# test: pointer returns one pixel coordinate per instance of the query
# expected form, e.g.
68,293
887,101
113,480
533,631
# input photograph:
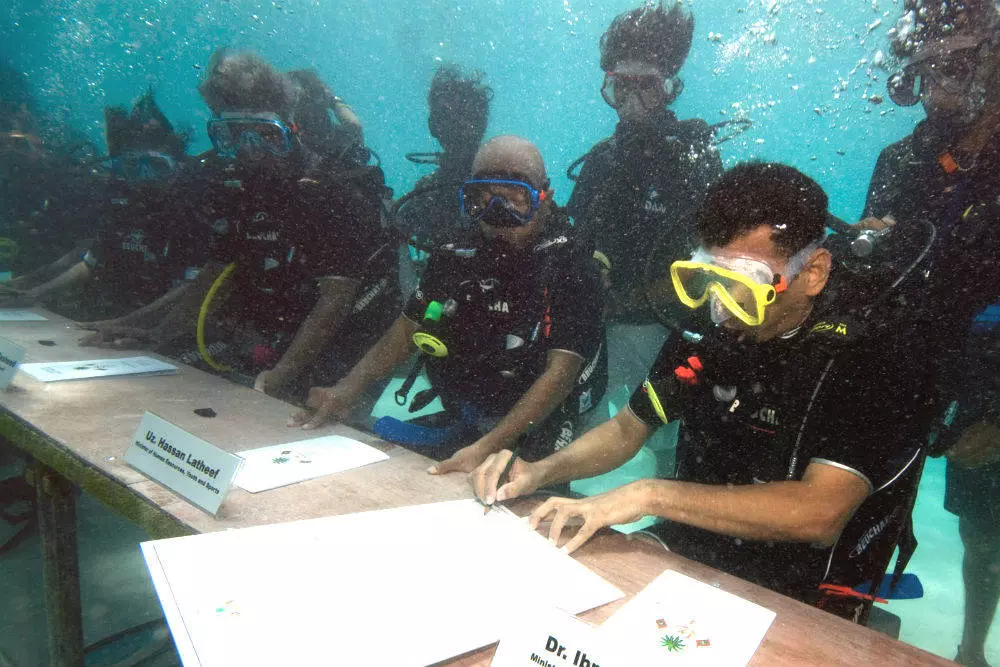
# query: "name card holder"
553,638
11,356
187,465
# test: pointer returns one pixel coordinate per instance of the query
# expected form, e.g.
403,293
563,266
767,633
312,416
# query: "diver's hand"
979,445
324,404
122,338
522,478
464,460
622,505
875,224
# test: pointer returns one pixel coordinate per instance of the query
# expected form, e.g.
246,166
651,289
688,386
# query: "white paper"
679,620
97,368
279,465
408,586
7,315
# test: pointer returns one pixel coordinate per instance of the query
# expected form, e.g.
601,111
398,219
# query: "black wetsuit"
432,215
635,191
48,206
762,413
151,242
286,231
511,309
974,493
961,278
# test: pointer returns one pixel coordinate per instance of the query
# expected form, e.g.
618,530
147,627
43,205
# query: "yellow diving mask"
737,286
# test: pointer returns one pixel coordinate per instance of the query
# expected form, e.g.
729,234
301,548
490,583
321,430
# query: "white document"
8,315
279,465
408,586
97,368
679,620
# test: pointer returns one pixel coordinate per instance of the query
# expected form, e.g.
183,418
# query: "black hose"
931,237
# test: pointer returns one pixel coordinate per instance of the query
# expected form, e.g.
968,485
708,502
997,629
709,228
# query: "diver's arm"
316,332
392,349
51,270
596,452
181,311
75,275
151,311
542,398
812,510
336,402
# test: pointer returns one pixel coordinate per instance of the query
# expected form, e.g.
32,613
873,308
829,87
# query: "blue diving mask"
250,132
500,202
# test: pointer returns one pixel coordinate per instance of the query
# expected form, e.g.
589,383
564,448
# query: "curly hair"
243,81
925,21
753,194
649,34
459,105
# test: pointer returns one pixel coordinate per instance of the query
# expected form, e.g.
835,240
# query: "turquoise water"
793,68
801,71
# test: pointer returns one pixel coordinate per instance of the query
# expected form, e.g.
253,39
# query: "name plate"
554,638
11,356
197,470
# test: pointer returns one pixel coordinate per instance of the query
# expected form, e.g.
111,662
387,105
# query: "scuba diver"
301,276
459,112
341,141
779,479
47,194
150,240
636,187
944,175
508,329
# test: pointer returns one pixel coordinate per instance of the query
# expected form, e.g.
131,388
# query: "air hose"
203,315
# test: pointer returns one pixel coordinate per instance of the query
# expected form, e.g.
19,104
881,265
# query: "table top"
82,428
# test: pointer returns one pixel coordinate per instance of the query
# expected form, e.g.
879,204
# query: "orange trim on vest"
947,163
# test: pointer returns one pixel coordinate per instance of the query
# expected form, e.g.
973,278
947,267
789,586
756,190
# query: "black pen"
505,473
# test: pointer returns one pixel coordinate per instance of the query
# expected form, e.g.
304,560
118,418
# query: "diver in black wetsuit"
47,194
945,173
636,186
149,242
459,112
780,479
306,276
515,317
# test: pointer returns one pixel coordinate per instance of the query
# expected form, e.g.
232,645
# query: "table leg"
60,567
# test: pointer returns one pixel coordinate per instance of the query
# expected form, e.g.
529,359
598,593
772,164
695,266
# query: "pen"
506,469
500,480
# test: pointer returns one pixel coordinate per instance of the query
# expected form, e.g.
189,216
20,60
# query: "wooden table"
78,432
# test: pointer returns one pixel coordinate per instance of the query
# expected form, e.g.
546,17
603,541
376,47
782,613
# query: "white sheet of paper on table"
96,368
408,586
680,620
7,315
279,465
